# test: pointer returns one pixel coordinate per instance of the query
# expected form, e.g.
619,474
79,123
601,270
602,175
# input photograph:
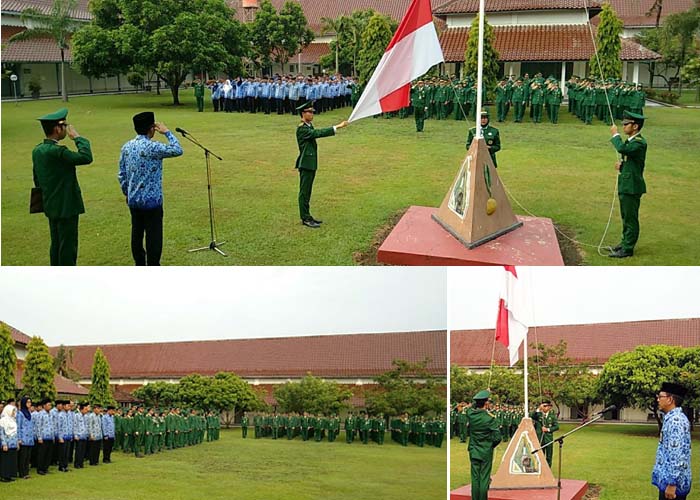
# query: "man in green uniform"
54,173
244,425
199,94
490,135
630,184
419,101
484,436
307,161
546,423
349,428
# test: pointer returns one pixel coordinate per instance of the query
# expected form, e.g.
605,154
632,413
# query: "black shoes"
311,223
317,221
620,253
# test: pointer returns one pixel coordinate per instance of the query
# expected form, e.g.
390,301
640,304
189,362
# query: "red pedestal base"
571,489
417,240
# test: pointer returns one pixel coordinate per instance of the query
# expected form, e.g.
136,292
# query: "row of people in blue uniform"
281,94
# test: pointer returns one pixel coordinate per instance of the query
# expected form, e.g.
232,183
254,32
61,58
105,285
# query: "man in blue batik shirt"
108,435
141,180
671,474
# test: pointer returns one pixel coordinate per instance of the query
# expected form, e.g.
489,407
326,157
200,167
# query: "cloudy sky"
566,296
119,305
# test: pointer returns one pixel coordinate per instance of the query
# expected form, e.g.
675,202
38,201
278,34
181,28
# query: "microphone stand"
560,440
213,245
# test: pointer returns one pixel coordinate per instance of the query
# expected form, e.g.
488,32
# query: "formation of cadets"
282,93
587,98
66,434
508,418
420,431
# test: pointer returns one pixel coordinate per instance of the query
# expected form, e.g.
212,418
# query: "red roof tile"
17,336
81,10
312,54
633,12
539,43
340,356
63,385
593,343
35,50
472,6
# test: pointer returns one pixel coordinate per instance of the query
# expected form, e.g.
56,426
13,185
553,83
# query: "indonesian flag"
511,325
413,51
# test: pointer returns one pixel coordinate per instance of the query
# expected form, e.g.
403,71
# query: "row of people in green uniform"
362,428
589,98
146,431
507,416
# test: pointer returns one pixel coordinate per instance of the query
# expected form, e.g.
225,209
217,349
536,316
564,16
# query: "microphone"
609,408
180,130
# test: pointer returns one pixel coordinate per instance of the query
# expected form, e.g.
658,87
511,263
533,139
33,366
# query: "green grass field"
617,459
370,172
250,469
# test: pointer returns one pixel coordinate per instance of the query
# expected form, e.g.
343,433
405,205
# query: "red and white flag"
511,326
413,50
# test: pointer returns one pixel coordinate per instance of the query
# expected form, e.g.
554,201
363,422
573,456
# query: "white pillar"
624,71
635,72
563,79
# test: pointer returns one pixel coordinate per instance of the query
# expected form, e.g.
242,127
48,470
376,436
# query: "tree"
158,394
490,57
336,26
313,395
38,376
684,27
62,363
691,73
293,34
100,392
8,363
346,47
223,392
608,44
506,385
408,388
375,39
170,38
58,25
634,378
262,40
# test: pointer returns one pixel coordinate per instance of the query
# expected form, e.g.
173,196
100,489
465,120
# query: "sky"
576,295
125,305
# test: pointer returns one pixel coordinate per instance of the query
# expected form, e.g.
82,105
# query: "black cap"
144,120
675,389
307,106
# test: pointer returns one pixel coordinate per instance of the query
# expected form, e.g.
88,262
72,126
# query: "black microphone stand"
560,440
213,245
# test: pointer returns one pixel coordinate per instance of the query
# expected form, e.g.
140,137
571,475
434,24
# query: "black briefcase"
36,201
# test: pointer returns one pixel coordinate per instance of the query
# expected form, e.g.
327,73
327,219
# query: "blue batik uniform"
45,429
12,442
80,429
141,170
108,426
25,429
62,430
672,465
264,90
54,419
94,426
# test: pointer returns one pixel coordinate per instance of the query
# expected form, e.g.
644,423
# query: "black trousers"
107,445
150,222
44,456
94,451
80,448
64,241
8,464
25,452
61,451
662,496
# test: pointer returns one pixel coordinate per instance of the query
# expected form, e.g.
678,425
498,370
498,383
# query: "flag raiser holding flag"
413,50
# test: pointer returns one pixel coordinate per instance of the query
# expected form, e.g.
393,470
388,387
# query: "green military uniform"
492,138
519,97
439,433
484,436
349,428
244,426
419,101
199,95
54,173
501,100
537,101
630,185
548,420
307,161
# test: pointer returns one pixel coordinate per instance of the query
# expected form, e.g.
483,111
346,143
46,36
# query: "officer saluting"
484,436
54,173
307,161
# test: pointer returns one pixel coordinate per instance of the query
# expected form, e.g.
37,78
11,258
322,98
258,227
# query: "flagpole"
527,395
480,72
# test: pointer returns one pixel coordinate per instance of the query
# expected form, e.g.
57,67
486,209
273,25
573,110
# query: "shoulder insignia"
300,125
491,414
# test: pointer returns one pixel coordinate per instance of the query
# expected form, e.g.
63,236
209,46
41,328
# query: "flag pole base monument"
475,225
524,473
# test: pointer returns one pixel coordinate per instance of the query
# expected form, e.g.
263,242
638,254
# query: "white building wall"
538,18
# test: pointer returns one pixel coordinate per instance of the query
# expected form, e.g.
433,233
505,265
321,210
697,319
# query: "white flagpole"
527,414
480,71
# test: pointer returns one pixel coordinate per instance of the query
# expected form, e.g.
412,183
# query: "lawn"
249,469
688,97
373,170
616,458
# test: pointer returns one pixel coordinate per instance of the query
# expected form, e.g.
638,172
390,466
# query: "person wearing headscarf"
25,431
9,444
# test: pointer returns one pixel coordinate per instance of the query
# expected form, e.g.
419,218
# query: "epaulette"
494,416
300,124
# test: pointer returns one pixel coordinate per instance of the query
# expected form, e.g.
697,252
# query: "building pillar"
563,79
635,72
624,71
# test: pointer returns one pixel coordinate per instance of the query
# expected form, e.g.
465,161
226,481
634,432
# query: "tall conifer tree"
8,363
100,392
38,376
609,45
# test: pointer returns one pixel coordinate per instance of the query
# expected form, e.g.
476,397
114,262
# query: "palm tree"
57,25
335,26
